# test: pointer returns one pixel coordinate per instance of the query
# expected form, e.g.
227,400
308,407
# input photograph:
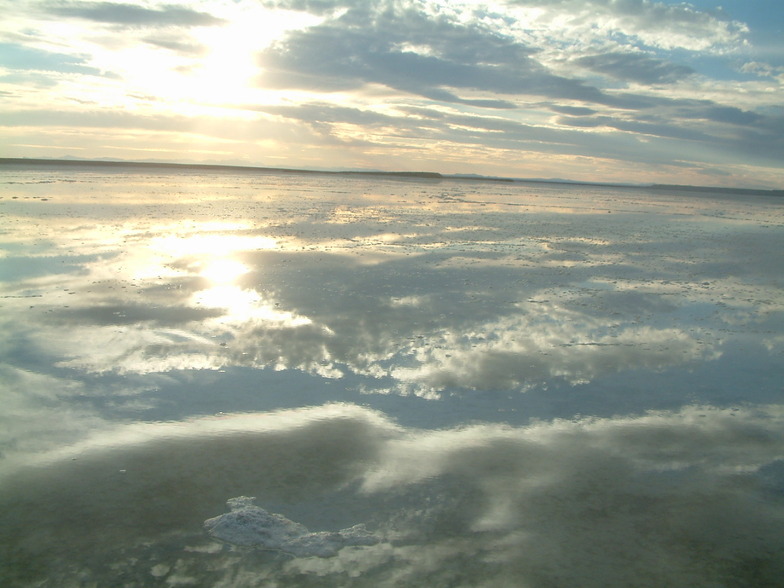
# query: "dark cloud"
635,126
635,67
573,110
656,119
733,115
135,16
427,123
178,45
411,52
124,314
422,112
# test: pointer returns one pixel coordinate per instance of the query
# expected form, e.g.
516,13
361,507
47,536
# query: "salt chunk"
249,525
322,544
252,526
358,535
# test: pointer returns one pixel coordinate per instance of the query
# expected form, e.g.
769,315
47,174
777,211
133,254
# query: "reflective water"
502,384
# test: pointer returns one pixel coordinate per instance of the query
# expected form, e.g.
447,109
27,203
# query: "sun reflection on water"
210,253
239,304
215,245
223,271
242,305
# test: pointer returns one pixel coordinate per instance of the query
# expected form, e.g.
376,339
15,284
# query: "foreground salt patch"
249,525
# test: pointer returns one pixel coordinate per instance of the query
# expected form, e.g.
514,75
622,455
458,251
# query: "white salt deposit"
249,525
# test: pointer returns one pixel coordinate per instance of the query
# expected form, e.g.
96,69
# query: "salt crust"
249,525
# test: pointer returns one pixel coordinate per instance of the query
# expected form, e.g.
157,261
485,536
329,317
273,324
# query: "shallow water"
506,384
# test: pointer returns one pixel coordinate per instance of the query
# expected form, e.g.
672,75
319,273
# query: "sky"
595,90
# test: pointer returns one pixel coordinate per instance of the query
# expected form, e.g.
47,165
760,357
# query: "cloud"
574,110
178,45
523,353
133,16
658,129
736,116
522,334
473,58
316,6
644,22
635,67
37,411
100,117
340,81
761,69
130,313
408,51
513,348
19,57
603,502
328,113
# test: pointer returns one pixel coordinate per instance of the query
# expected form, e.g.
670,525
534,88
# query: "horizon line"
422,175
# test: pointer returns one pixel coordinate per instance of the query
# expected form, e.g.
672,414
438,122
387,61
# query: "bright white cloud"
655,24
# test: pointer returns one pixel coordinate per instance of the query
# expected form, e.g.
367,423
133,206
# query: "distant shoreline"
210,167
389,174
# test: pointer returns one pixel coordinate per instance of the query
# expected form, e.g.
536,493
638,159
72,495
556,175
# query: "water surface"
503,384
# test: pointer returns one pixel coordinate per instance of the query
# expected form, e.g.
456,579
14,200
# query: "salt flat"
507,384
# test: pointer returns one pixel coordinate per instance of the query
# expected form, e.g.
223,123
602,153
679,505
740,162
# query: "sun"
208,67
228,71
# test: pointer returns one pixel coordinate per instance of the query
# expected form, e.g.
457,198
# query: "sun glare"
227,72
209,256
243,305
210,67
223,271
230,297
211,245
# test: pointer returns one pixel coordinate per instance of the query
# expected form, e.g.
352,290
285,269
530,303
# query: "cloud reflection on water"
524,344
603,390
414,287
680,498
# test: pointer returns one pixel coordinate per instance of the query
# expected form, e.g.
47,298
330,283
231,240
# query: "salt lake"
235,378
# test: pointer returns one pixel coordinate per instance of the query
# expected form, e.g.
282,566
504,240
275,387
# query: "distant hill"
72,161
206,166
